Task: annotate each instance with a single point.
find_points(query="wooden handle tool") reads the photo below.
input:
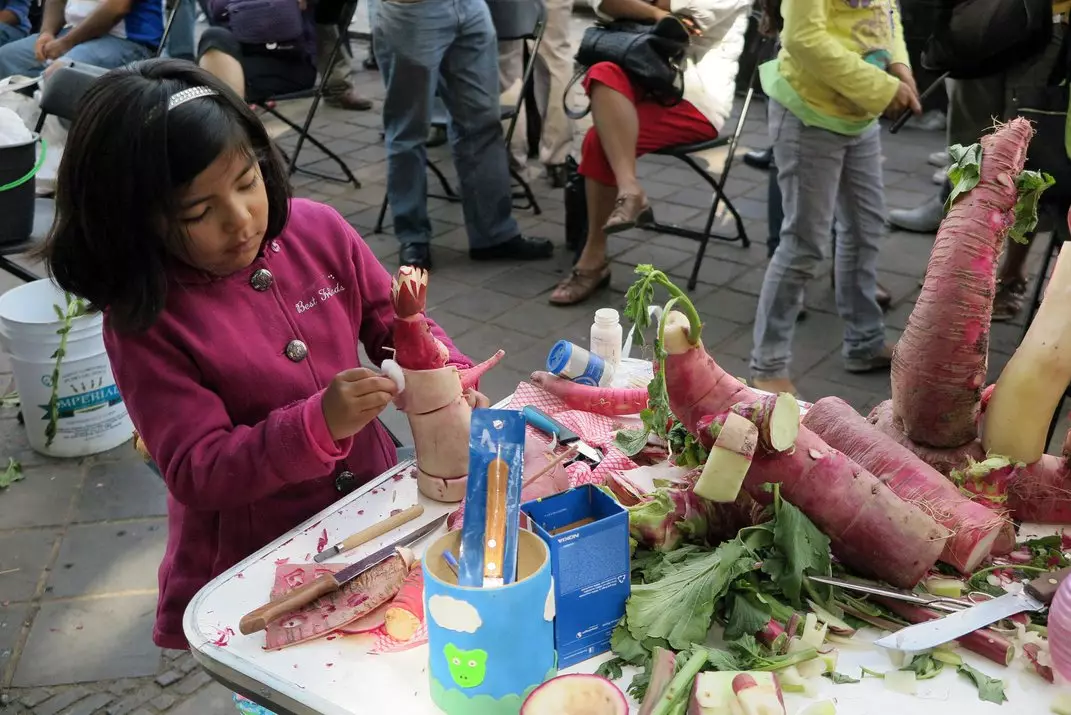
(372, 532)
(292, 600)
(495, 531)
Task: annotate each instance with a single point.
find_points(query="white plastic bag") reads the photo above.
(13, 131)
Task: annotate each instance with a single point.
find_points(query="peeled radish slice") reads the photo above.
(368, 623)
(825, 707)
(576, 695)
(901, 681)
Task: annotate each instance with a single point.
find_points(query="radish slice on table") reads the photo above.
(825, 707)
(576, 695)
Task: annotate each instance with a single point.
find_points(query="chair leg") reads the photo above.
(303, 134)
(451, 195)
(382, 215)
(9, 266)
(528, 195)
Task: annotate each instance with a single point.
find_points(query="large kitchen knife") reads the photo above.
(1035, 596)
(565, 436)
(301, 596)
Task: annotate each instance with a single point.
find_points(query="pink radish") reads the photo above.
(576, 695)
(758, 700)
(366, 624)
(417, 348)
(661, 669)
(610, 401)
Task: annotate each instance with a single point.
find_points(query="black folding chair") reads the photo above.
(685, 152)
(316, 93)
(523, 20)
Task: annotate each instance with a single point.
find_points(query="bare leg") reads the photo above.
(600, 198)
(618, 127)
(226, 68)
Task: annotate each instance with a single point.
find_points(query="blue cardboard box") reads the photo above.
(587, 534)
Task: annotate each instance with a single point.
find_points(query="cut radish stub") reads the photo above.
(368, 623)
(576, 695)
(825, 707)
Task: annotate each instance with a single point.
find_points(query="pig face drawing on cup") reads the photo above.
(467, 667)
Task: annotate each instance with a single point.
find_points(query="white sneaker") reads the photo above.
(939, 158)
(940, 175)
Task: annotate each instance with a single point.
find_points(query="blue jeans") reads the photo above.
(450, 45)
(10, 33)
(823, 176)
(107, 52)
(180, 40)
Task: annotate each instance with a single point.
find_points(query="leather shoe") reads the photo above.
(518, 248)
(557, 175)
(415, 254)
(349, 100)
(761, 159)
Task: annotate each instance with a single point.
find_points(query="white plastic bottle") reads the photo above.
(606, 336)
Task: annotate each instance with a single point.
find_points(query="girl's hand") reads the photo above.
(355, 398)
(905, 98)
(903, 73)
(39, 45)
(476, 399)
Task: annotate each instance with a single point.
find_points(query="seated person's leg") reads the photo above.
(253, 71)
(221, 54)
(108, 52)
(10, 33)
(18, 58)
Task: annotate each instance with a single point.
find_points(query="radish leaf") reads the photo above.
(12, 474)
(989, 689)
(1030, 184)
(965, 171)
(631, 441)
(679, 607)
(803, 548)
(747, 615)
(840, 678)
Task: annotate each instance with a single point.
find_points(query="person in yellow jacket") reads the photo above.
(842, 65)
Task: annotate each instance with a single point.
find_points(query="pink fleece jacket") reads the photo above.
(229, 407)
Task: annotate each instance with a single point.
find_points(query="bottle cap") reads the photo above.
(607, 315)
(558, 357)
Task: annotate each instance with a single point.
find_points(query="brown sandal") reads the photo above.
(629, 210)
(580, 285)
(1009, 299)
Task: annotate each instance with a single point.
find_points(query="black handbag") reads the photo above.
(652, 55)
(979, 38)
(576, 210)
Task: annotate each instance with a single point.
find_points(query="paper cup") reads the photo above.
(489, 647)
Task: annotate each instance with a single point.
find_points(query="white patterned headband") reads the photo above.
(186, 95)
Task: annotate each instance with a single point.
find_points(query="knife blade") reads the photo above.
(294, 599)
(877, 589)
(548, 425)
(1035, 596)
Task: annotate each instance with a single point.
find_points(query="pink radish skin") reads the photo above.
(373, 621)
(974, 528)
(609, 401)
(939, 364)
(662, 668)
(871, 529)
(576, 695)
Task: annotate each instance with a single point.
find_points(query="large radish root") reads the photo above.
(974, 528)
(777, 418)
(729, 460)
(871, 529)
(943, 460)
(1034, 380)
(610, 401)
(1041, 492)
(939, 364)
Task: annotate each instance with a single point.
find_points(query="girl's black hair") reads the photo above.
(126, 159)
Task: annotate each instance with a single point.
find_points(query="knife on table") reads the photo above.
(372, 532)
(548, 425)
(941, 603)
(303, 595)
(1035, 596)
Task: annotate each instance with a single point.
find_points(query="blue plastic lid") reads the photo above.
(559, 355)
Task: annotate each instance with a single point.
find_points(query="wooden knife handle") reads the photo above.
(1044, 587)
(292, 600)
(377, 530)
(495, 531)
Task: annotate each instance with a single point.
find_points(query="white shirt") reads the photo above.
(76, 11)
(712, 59)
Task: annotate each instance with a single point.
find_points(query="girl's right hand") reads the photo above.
(906, 98)
(355, 398)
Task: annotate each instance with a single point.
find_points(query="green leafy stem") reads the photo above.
(76, 307)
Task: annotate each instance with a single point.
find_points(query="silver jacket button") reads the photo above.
(261, 279)
(296, 350)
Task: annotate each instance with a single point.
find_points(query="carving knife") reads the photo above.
(372, 532)
(301, 596)
(548, 425)
(494, 550)
(1035, 596)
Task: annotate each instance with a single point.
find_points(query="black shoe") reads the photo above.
(518, 248)
(370, 62)
(557, 175)
(761, 160)
(436, 137)
(415, 254)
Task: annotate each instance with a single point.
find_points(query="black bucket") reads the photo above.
(19, 164)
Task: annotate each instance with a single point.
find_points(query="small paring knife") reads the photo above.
(1035, 596)
(258, 620)
(372, 532)
(494, 534)
(564, 436)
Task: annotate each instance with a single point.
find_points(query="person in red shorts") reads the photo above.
(628, 124)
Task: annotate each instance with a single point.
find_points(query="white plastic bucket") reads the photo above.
(92, 415)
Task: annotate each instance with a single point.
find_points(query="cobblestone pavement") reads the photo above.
(80, 541)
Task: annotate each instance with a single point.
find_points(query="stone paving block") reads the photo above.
(33, 698)
(454, 325)
(211, 700)
(164, 701)
(905, 253)
(90, 705)
(97, 639)
(192, 683)
(665, 259)
(121, 490)
(57, 703)
(481, 342)
(23, 558)
(44, 496)
(522, 283)
(501, 382)
(713, 271)
(108, 558)
(728, 304)
(167, 678)
(539, 319)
